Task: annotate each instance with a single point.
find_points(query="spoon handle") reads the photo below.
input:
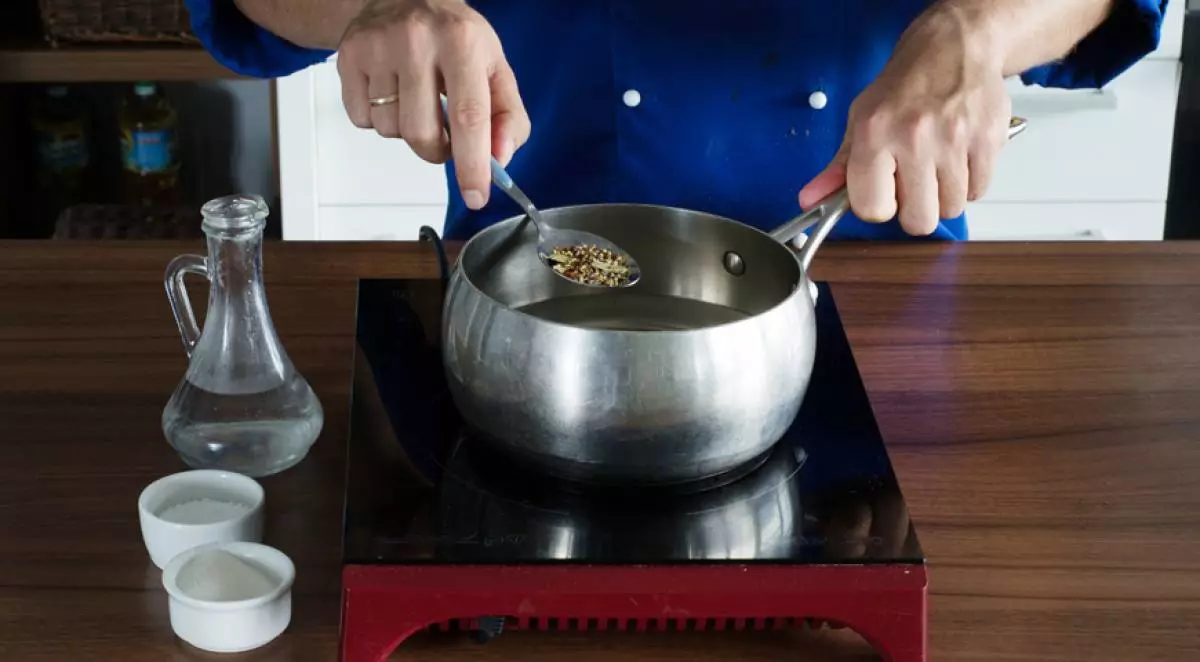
(502, 179)
(500, 176)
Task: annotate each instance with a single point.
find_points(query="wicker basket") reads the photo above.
(115, 21)
(92, 221)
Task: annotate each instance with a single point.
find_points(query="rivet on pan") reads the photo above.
(734, 264)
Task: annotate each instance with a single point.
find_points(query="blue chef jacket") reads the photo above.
(718, 106)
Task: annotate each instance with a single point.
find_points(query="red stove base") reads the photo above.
(384, 605)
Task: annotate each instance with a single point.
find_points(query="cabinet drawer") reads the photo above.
(1093, 146)
(1128, 221)
(357, 166)
(377, 222)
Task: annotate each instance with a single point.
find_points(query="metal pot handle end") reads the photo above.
(829, 211)
(824, 216)
(426, 233)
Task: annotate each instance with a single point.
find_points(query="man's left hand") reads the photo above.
(922, 139)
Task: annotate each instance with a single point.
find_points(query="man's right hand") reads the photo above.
(415, 49)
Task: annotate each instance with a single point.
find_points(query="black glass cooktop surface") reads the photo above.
(421, 490)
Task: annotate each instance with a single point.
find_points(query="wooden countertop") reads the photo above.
(1040, 403)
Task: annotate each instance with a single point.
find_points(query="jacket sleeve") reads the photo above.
(1131, 32)
(243, 47)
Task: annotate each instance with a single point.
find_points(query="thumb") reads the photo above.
(832, 178)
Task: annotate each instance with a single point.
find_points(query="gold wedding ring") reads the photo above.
(383, 101)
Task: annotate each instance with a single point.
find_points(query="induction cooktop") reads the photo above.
(442, 529)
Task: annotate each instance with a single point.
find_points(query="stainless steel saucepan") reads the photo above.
(697, 369)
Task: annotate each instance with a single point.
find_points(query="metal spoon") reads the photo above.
(550, 237)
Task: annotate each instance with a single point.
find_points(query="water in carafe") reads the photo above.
(242, 405)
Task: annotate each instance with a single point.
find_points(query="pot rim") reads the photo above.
(799, 289)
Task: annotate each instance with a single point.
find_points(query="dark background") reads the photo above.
(1183, 193)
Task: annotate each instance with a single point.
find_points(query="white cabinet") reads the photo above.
(358, 167)
(391, 222)
(1093, 164)
(341, 183)
(1090, 145)
(1067, 221)
(1086, 151)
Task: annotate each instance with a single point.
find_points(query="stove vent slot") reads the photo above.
(630, 624)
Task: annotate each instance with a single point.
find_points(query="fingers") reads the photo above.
(921, 147)
(469, 101)
(421, 122)
(979, 169)
(953, 142)
(384, 118)
(922, 180)
(917, 185)
(982, 158)
(411, 56)
(832, 178)
(952, 185)
(354, 94)
(823, 185)
(871, 181)
(510, 122)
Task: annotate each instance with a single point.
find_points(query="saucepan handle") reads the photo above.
(427, 233)
(825, 214)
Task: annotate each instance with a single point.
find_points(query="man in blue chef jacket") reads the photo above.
(724, 106)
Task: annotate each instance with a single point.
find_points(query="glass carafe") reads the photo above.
(241, 406)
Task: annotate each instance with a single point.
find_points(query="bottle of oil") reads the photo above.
(60, 125)
(149, 147)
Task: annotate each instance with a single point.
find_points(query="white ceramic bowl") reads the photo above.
(230, 597)
(193, 508)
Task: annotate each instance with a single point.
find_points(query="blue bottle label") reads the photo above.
(148, 151)
(60, 152)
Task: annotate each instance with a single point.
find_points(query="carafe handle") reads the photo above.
(181, 306)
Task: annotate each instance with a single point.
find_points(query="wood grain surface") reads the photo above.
(1039, 401)
(35, 62)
